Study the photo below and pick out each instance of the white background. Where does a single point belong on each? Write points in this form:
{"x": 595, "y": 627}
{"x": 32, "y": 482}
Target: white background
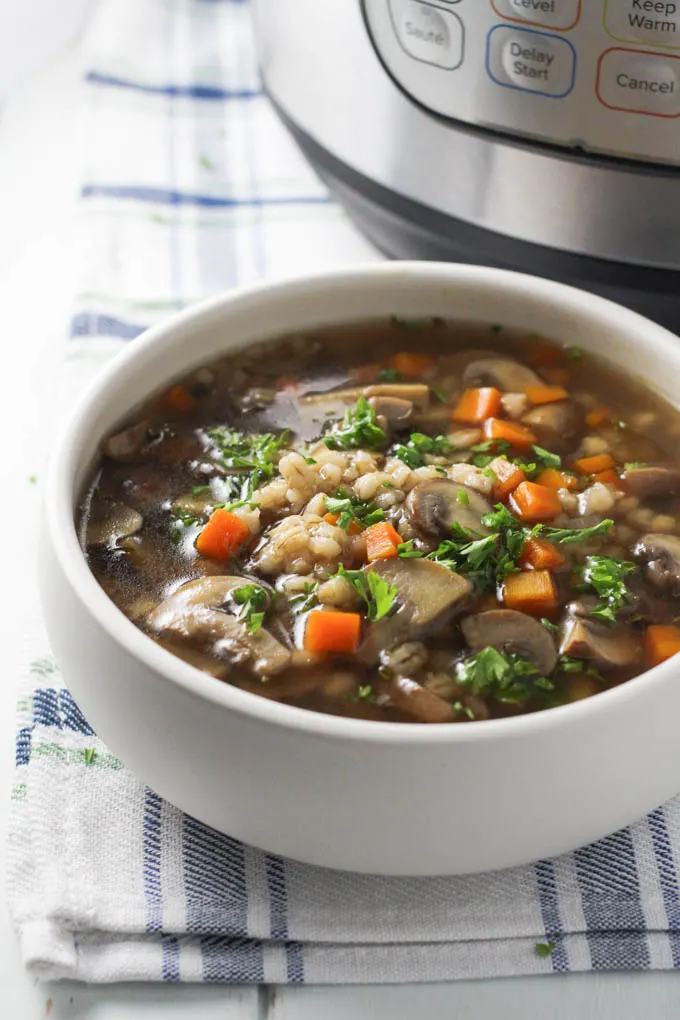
{"x": 39, "y": 162}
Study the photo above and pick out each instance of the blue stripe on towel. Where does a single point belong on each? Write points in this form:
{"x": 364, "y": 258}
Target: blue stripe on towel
{"x": 172, "y": 91}
{"x": 278, "y": 923}
{"x": 668, "y": 878}
{"x": 95, "y": 324}
{"x": 610, "y": 893}
{"x": 22, "y": 754}
{"x": 550, "y": 911}
{"x": 167, "y": 196}
{"x": 170, "y": 958}
{"x": 52, "y": 707}
{"x": 152, "y": 860}
{"x": 232, "y": 961}
{"x": 214, "y": 880}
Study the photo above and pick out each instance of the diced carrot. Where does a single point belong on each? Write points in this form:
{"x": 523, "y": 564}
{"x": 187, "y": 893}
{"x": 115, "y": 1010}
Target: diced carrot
{"x": 541, "y": 353}
{"x": 598, "y": 417}
{"x": 410, "y": 363}
{"x": 179, "y": 399}
{"x": 354, "y": 526}
{"x": 511, "y": 431}
{"x": 556, "y": 376}
{"x": 546, "y": 394}
{"x": 539, "y": 554}
{"x": 508, "y": 476}
{"x": 533, "y": 503}
{"x": 381, "y": 541}
{"x": 593, "y": 465}
{"x": 609, "y": 477}
{"x": 476, "y": 405}
{"x": 365, "y": 373}
{"x": 329, "y": 631}
{"x": 223, "y": 535}
{"x": 530, "y": 591}
{"x": 554, "y": 479}
{"x": 661, "y": 642}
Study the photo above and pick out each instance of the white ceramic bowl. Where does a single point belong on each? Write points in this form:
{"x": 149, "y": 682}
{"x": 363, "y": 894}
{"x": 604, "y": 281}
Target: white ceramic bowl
{"x": 374, "y": 797}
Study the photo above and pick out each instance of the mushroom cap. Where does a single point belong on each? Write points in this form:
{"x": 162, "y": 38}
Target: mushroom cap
{"x": 108, "y": 521}
{"x": 652, "y": 480}
{"x": 661, "y": 553}
{"x": 126, "y": 445}
{"x": 508, "y": 630}
{"x": 559, "y": 421}
{"x": 396, "y": 411}
{"x": 419, "y": 702}
{"x": 198, "y": 612}
{"x": 504, "y": 373}
{"x": 434, "y": 507}
{"x": 609, "y": 647}
{"x": 428, "y": 595}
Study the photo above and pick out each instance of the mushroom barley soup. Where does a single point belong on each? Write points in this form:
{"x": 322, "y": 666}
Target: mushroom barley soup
{"x": 472, "y": 524}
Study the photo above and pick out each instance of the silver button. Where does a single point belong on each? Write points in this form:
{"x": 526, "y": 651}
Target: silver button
{"x": 531, "y": 61}
{"x": 639, "y": 82}
{"x": 428, "y": 33}
{"x": 559, "y": 14}
{"x": 654, "y": 22}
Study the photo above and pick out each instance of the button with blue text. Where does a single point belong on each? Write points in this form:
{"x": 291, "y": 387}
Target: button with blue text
{"x": 654, "y": 22}
{"x": 531, "y": 61}
{"x": 428, "y": 33}
{"x": 559, "y": 14}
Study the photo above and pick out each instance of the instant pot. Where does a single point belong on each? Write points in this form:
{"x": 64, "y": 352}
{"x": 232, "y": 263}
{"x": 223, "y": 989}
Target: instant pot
{"x": 541, "y": 135}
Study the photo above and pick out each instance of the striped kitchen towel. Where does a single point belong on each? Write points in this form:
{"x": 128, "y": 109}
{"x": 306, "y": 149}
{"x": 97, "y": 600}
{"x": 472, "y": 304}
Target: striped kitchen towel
{"x": 192, "y": 186}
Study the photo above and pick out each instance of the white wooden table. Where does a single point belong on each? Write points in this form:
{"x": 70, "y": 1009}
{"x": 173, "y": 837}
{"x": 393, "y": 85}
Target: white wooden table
{"x": 39, "y": 159}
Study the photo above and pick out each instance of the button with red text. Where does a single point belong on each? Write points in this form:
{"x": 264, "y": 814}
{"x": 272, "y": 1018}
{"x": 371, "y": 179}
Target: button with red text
{"x": 654, "y": 22}
{"x": 428, "y": 33}
{"x": 519, "y": 58}
{"x": 559, "y": 14}
{"x": 637, "y": 81}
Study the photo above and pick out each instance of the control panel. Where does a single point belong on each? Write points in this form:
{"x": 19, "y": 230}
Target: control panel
{"x": 601, "y": 75}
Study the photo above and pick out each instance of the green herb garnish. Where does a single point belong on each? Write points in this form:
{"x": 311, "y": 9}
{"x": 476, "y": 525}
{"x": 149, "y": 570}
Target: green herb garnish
{"x": 254, "y": 456}
{"x": 545, "y": 948}
{"x": 306, "y": 599}
{"x": 506, "y": 677}
{"x": 358, "y": 428}
{"x": 252, "y": 599}
{"x": 364, "y": 693}
{"x": 389, "y": 375}
{"x": 568, "y": 664}
{"x": 487, "y": 451}
{"x": 605, "y": 576}
{"x": 379, "y": 596}
{"x": 462, "y": 497}
{"x": 631, "y": 465}
{"x": 575, "y": 353}
{"x": 566, "y": 536}
{"x": 407, "y": 551}
{"x": 351, "y": 509}
{"x": 414, "y": 452}
{"x": 89, "y": 754}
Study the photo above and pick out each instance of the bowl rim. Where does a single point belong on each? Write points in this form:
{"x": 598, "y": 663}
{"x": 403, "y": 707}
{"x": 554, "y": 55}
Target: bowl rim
{"x": 59, "y": 519}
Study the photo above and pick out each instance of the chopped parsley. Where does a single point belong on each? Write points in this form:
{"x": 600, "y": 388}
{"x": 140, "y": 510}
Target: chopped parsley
{"x": 407, "y": 551}
{"x": 419, "y": 446}
{"x": 350, "y": 510}
{"x": 358, "y": 428}
{"x": 566, "y": 536}
{"x": 568, "y": 664}
{"x": 380, "y": 596}
{"x": 462, "y": 497}
{"x": 255, "y": 456}
{"x": 306, "y": 599}
{"x": 181, "y": 521}
{"x": 545, "y": 948}
{"x": 252, "y": 600}
{"x": 506, "y": 677}
{"x": 632, "y": 465}
{"x": 458, "y": 706}
{"x": 549, "y": 625}
{"x": 363, "y": 693}
{"x": 605, "y": 576}
{"x": 575, "y": 353}
{"x": 487, "y": 451}
{"x": 89, "y": 754}
{"x": 389, "y": 375}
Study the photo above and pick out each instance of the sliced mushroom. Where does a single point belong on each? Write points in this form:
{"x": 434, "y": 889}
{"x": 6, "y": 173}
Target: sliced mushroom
{"x": 109, "y": 521}
{"x": 427, "y": 595}
{"x": 346, "y": 396}
{"x": 395, "y": 411}
{"x": 418, "y": 702}
{"x": 661, "y": 553}
{"x": 609, "y": 647}
{"x": 557, "y": 422}
{"x": 200, "y": 612}
{"x": 417, "y": 393}
{"x": 127, "y": 445}
{"x": 503, "y": 373}
{"x": 510, "y": 631}
{"x": 652, "y": 480}
{"x": 434, "y": 507}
